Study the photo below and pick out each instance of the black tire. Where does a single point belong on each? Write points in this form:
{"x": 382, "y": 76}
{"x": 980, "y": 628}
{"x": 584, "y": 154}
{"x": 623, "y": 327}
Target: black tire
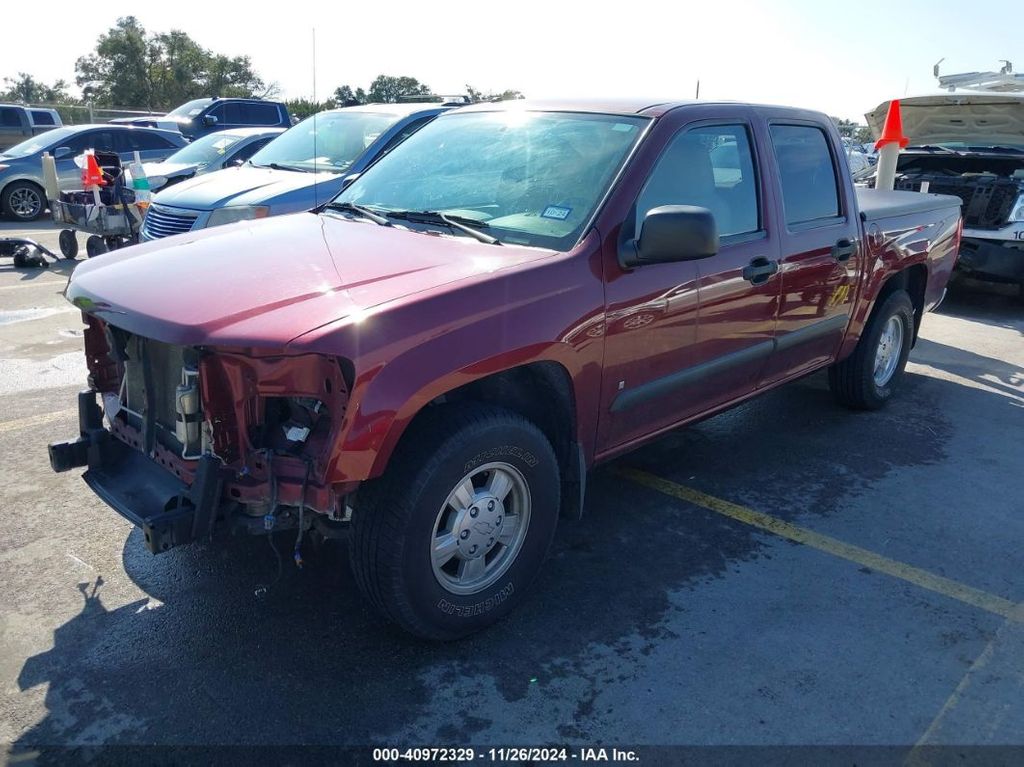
{"x": 68, "y": 243}
{"x": 852, "y": 381}
{"x": 95, "y": 246}
{"x": 16, "y": 198}
{"x": 395, "y": 518}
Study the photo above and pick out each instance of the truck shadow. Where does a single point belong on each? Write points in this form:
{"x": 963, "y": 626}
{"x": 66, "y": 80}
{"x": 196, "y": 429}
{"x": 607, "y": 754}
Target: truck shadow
{"x": 987, "y": 302}
{"x": 219, "y": 653}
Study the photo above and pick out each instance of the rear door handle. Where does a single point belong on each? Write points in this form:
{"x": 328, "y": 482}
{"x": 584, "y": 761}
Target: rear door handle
{"x": 759, "y": 270}
{"x": 844, "y": 249}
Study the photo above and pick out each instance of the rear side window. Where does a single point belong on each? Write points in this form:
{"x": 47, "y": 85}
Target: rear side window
{"x": 262, "y": 114}
{"x": 810, "y": 188}
{"x": 144, "y": 141}
{"x": 9, "y": 117}
{"x": 711, "y": 167}
{"x": 40, "y": 117}
{"x": 241, "y": 113}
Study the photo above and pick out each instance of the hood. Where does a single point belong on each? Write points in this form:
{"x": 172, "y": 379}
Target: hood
{"x": 974, "y": 118}
{"x": 248, "y": 185}
{"x": 265, "y": 283}
{"x": 169, "y": 169}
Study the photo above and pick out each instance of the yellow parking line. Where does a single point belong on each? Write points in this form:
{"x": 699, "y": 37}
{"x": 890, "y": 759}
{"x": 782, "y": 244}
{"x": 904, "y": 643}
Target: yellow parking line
{"x": 905, "y": 572}
{"x": 35, "y": 420}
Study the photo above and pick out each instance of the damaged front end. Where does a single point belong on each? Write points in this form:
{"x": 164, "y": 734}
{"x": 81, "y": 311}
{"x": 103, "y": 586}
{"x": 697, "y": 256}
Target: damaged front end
{"x": 184, "y": 440}
{"x": 991, "y": 186}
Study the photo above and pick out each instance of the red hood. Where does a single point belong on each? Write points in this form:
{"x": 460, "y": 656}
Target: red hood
{"x": 267, "y": 282}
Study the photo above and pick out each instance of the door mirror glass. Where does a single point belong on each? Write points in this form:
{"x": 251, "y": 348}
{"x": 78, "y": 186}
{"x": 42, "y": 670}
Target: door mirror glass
{"x": 672, "y": 233}
{"x": 61, "y": 152}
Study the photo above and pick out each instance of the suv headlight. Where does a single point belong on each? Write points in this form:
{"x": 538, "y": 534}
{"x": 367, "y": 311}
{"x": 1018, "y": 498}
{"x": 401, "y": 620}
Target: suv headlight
{"x": 237, "y": 213}
{"x": 1017, "y": 214}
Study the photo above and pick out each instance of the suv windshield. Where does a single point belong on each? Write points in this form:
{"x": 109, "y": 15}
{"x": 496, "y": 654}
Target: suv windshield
{"x": 38, "y": 143}
{"x": 535, "y": 178}
{"x": 190, "y": 108}
{"x": 329, "y": 141}
{"x": 205, "y": 150}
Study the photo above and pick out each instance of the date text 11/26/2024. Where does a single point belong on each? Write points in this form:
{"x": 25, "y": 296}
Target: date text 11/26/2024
{"x": 519, "y": 754}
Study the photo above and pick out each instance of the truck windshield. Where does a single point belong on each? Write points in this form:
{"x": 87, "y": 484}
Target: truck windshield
{"x": 38, "y": 143}
{"x": 205, "y": 150}
{"x": 329, "y": 141}
{"x": 190, "y": 108}
{"x": 533, "y": 178}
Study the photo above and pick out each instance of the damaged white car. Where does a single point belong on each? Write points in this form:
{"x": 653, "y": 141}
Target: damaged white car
{"x": 969, "y": 144}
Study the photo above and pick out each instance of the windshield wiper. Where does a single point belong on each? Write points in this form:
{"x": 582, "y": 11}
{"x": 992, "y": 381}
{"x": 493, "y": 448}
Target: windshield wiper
{"x": 279, "y": 166}
{"x": 452, "y": 222}
{"x": 932, "y": 148}
{"x": 1014, "y": 149}
{"x": 351, "y": 207}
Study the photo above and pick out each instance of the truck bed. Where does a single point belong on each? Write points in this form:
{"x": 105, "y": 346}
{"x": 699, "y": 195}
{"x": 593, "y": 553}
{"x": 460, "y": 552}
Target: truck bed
{"x": 876, "y": 204}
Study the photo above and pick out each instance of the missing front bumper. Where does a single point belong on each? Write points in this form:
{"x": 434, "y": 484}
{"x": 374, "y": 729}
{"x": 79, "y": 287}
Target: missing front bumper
{"x": 170, "y": 512}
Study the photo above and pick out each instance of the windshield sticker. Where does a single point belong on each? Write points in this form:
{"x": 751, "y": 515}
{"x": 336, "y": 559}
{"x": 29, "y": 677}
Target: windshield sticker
{"x": 557, "y": 212}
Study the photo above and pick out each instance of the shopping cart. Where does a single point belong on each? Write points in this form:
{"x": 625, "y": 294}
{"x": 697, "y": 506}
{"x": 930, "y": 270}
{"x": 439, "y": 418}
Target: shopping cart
{"x": 112, "y": 223}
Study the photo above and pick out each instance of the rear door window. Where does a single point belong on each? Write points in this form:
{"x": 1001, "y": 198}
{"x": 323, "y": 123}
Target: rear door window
{"x": 807, "y": 172}
{"x": 260, "y": 114}
{"x": 42, "y": 117}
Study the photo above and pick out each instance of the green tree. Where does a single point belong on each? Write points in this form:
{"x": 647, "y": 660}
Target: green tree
{"x": 863, "y": 135}
{"x": 476, "y": 95}
{"x": 345, "y": 96}
{"x": 300, "y": 109}
{"x": 389, "y": 90}
{"x": 26, "y": 89}
{"x": 846, "y": 128}
{"x": 131, "y": 68}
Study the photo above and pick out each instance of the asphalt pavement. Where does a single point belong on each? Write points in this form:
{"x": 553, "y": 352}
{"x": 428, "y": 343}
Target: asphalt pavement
{"x": 787, "y": 573}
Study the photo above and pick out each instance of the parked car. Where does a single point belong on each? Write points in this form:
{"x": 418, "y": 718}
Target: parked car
{"x": 214, "y": 151}
{"x": 431, "y": 364}
{"x": 18, "y": 123}
{"x": 21, "y": 168}
{"x": 970, "y": 145}
{"x": 305, "y": 166}
{"x": 200, "y": 117}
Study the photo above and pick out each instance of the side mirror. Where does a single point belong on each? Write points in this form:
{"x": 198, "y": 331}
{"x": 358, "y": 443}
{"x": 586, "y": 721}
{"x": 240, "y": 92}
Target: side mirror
{"x": 209, "y": 121}
{"x": 349, "y": 180}
{"x": 235, "y": 163}
{"x": 672, "y": 233}
{"x": 61, "y": 152}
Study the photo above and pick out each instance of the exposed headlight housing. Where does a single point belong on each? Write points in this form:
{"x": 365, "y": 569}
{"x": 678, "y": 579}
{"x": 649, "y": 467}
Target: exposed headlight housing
{"x": 235, "y": 213}
{"x": 1017, "y": 214}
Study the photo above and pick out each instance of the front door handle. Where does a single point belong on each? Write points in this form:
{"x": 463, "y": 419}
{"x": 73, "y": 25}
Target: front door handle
{"x": 843, "y": 250}
{"x": 759, "y": 270}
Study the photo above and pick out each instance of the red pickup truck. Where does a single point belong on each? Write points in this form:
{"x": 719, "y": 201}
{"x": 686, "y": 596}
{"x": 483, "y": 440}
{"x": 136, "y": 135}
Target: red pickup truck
{"x": 430, "y": 363}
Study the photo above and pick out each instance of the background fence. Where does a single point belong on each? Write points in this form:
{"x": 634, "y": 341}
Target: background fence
{"x": 81, "y": 114}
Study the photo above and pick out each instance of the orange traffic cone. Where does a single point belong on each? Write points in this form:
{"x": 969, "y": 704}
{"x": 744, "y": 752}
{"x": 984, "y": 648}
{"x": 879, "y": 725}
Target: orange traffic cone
{"x": 92, "y": 176}
{"x": 893, "y": 129}
{"x": 889, "y": 145}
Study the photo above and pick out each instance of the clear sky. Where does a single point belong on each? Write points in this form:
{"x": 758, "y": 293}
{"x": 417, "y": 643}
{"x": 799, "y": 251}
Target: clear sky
{"x": 843, "y": 59}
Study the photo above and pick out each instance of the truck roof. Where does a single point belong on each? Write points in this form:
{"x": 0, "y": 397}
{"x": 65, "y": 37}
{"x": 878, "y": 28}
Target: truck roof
{"x": 647, "y": 107}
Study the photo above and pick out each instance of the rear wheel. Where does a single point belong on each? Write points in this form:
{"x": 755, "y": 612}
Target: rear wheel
{"x": 449, "y": 539}
{"x": 95, "y": 246}
{"x": 868, "y": 378}
{"x": 68, "y": 243}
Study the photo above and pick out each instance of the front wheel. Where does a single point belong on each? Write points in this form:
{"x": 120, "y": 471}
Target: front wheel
{"x": 23, "y": 201}
{"x": 449, "y": 539}
{"x": 868, "y": 378}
